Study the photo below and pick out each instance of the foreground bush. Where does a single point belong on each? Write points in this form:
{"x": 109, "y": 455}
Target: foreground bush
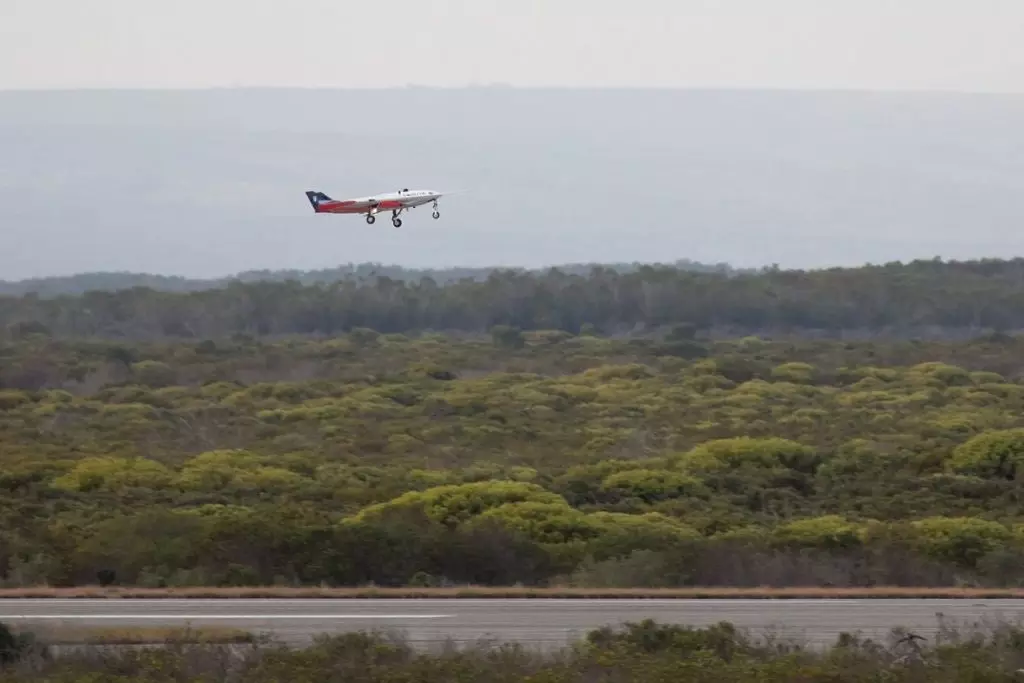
{"x": 638, "y": 653}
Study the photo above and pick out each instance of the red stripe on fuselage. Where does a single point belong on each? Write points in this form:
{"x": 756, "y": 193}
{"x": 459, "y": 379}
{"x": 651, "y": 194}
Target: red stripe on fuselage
{"x": 341, "y": 210}
{"x": 351, "y": 207}
{"x": 338, "y": 207}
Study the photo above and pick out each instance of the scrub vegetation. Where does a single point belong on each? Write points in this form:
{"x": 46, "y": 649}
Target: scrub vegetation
{"x": 136, "y": 635}
{"x": 644, "y": 652}
{"x": 550, "y": 457}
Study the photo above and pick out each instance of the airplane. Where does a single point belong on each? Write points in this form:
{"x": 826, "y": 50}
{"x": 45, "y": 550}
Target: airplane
{"x": 398, "y": 202}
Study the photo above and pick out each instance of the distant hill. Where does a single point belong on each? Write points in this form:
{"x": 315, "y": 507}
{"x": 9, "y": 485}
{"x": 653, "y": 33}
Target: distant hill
{"x": 88, "y": 282}
{"x": 202, "y": 183}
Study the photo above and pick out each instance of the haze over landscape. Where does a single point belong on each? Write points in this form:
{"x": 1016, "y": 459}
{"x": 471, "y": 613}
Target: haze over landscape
{"x": 208, "y": 183}
{"x": 791, "y": 132}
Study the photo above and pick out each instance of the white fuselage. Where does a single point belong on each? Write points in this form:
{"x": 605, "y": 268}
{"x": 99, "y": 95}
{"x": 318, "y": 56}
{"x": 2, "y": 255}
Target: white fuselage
{"x": 408, "y": 198}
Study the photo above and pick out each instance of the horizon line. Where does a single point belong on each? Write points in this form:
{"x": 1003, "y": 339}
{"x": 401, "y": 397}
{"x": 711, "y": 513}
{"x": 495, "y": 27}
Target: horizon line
{"x": 512, "y": 87}
{"x": 678, "y": 263}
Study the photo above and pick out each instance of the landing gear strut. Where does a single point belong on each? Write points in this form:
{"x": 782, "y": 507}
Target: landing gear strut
{"x": 436, "y": 214}
{"x": 395, "y": 220}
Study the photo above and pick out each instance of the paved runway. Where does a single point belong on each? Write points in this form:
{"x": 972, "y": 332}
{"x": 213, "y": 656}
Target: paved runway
{"x": 548, "y": 623}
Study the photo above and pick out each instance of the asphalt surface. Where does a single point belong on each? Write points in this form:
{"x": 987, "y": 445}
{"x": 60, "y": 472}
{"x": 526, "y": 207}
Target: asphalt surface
{"x": 545, "y": 623}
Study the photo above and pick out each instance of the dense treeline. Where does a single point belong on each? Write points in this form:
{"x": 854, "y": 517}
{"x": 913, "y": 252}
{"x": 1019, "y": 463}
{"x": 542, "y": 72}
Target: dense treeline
{"x": 643, "y": 652}
{"x": 114, "y": 281}
{"x": 923, "y": 298}
{"x": 541, "y": 458}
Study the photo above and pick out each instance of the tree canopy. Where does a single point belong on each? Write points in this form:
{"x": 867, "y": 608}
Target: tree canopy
{"x": 921, "y": 298}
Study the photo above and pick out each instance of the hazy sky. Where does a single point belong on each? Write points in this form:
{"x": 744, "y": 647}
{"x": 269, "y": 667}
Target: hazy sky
{"x": 972, "y": 45}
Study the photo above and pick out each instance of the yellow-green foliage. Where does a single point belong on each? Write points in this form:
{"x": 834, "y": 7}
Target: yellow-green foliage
{"x": 651, "y": 525}
{"x": 798, "y": 373}
{"x": 831, "y": 531}
{"x": 744, "y": 453}
{"x": 10, "y": 400}
{"x": 544, "y": 522}
{"x": 218, "y": 470}
{"x": 451, "y": 505}
{"x": 650, "y": 485}
{"x": 963, "y": 540}
{"x": 153, "y": 373}
{"x": 997, "y": 454}
{"x": 115, "y": 474}
{"x": 337, "y": 460}
{"x": 939, "y": 374}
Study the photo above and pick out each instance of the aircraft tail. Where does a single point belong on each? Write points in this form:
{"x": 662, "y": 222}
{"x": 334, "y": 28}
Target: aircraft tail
{"x": 316, "y": 198}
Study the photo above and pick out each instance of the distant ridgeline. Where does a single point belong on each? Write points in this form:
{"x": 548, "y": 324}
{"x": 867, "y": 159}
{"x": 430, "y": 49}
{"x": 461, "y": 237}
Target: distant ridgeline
{"x": 920, "y": 299}
{"x": 363, "y": 272}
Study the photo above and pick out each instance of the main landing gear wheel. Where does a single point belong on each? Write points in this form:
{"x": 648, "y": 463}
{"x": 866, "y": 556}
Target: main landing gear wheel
{"x": 397, "y": 222}
{"x": 436, "y": 214}
{"x": 371, "y": 219}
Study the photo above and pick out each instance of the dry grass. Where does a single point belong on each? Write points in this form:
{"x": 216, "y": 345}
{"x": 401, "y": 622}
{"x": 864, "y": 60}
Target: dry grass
{"x": 512, "y": 592}
{"x": 74, "y": 635}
